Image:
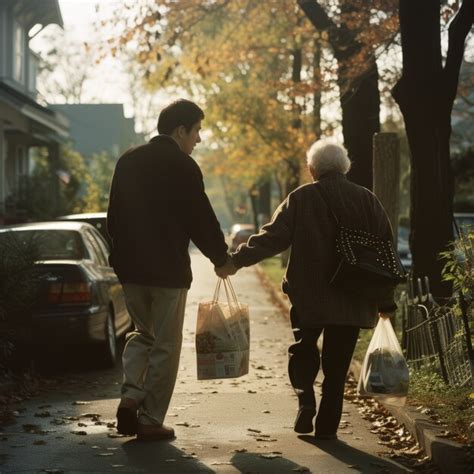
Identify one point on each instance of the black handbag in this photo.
(366, 265)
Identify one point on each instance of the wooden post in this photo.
(386, 170)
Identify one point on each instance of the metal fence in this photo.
(435, 335)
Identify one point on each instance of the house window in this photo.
(19, 49)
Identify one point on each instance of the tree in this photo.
(354, 32)
(64, 68)
(251, 96)
(425, 94)
(101, 169)
(76, 189)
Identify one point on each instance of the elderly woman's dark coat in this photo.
(304, 222)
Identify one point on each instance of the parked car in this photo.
(239, 233)
(97, 219)
(464, 220)
(81, 300)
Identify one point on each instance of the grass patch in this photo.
(454, 406)
(273, 269)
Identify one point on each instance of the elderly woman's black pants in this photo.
(303, 366)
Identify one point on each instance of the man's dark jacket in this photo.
(157, 205)
(304, 222)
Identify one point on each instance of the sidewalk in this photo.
(228, 426)
(451, 457)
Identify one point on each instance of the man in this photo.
(157, 205)
(304, 222)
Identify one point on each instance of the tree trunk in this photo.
(425, 95)
(317, 96)
(387, 175)
(360, 120)
(359, 97)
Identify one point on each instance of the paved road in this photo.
(226, 426)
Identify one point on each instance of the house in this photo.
(25, 123)
(97, 128)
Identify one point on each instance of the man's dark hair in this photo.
(181, 112)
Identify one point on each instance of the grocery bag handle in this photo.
(229, 291)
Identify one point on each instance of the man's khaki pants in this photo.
(152, 351)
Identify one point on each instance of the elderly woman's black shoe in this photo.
(304, 419)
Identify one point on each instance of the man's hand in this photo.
(227, 269)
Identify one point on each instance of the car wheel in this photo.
(109, 349)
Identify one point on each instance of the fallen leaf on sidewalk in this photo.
(39, 442)
(253, 430)
(301, 469)
(269, 456)
(80, 433)
(183, 423)
(32, 428)
(240, 450)
(79, 402)
(104, 454)
(42, 414)
(251, 391)
(170, 460)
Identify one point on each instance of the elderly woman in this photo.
(304, 222)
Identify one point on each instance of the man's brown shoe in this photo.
(127, 420)
(154, 432)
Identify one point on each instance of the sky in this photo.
(108, 83)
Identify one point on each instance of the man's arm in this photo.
(273, 238)
(201, 221)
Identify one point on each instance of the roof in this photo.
(44, 12)
(50, 225)
(52, 120)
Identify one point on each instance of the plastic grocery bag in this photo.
(222, 336)
(384, 373)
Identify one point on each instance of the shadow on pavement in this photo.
(358, 460)
(57, 360)
(161, 456)
(254, 462)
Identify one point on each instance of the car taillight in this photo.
(73, 292)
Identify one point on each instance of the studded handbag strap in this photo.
(321, 193)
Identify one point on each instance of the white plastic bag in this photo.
(222, 336)
(384, 373)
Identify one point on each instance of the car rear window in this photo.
(51, 244)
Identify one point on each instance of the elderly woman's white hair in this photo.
(325, 156)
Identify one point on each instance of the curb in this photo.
(450, 456)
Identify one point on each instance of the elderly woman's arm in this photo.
(273, 238)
